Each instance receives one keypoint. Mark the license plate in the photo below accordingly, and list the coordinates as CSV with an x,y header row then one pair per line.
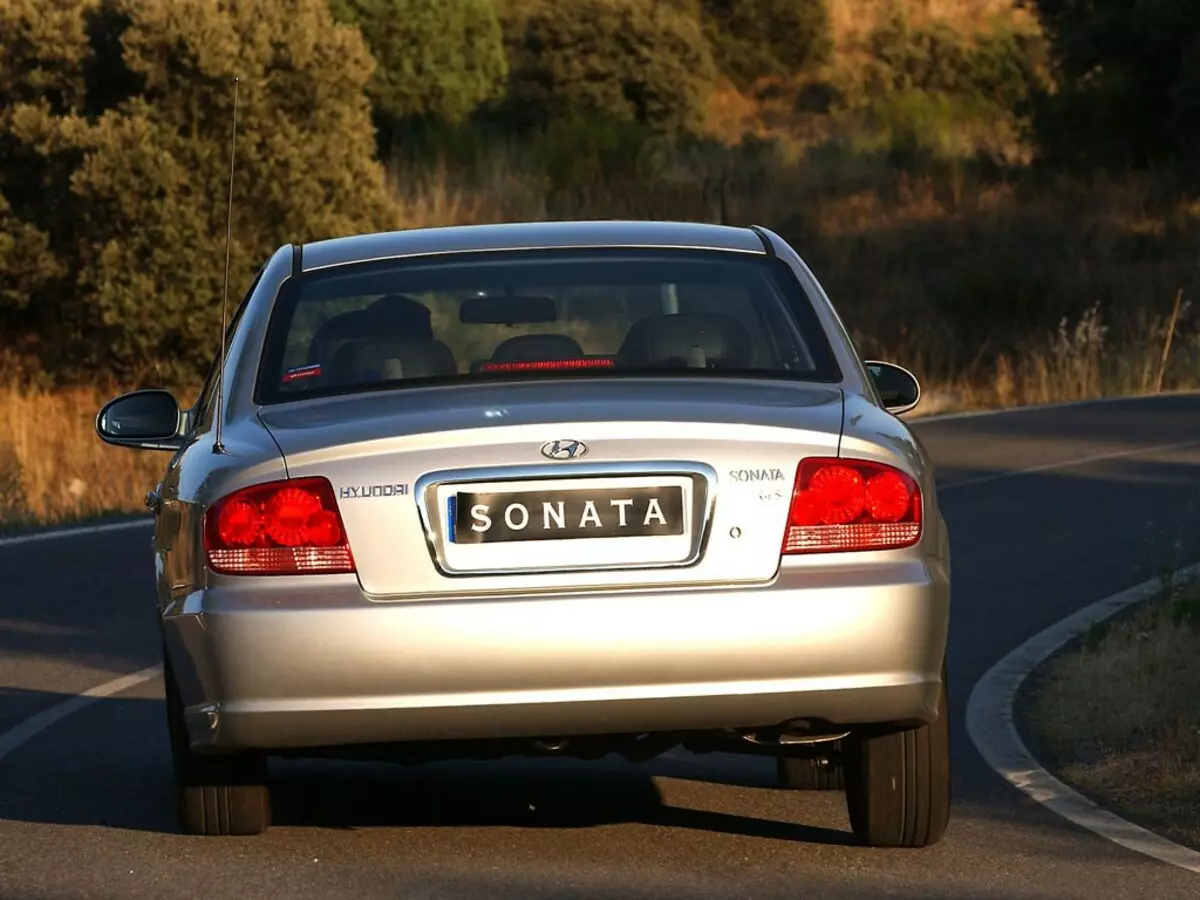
x,y
495,517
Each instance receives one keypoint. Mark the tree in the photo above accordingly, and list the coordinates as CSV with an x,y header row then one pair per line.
x,y
621,60
116,216
42,52
438,59
755,39
1129,85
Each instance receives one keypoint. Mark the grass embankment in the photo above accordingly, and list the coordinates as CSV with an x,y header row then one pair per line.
x,y
53,467
1118,717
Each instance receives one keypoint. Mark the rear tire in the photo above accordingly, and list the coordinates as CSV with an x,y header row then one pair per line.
x,y
219,794
898,783
809,774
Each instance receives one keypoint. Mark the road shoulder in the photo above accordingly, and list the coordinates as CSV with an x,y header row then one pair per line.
x,y
992,727
1116,714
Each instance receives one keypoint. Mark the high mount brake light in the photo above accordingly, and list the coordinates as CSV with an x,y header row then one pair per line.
x,y
288,527
547,365
841,505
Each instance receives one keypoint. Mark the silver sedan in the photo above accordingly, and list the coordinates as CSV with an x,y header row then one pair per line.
x,y
549,489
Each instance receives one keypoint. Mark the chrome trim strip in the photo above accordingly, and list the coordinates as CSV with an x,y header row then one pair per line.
x,y
704,483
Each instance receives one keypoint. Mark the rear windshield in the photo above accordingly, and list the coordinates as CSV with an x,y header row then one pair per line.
x,y
540,314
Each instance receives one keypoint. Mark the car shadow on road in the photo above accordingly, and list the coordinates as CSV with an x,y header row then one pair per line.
x,y
108,765
510,793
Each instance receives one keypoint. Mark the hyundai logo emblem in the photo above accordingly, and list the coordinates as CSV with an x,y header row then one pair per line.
x,y
564,449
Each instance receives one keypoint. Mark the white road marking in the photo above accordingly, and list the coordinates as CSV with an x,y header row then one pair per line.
x,y
990,725
73,532
30,728
1066,464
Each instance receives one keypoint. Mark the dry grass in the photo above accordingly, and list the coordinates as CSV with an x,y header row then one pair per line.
x,y
54,468
1120,717
1080,360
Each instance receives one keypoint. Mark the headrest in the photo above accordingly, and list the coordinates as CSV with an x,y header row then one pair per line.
x,y
537,347
396,313
391,359
393,314
694,340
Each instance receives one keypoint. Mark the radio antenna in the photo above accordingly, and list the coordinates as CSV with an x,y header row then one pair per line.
x,y
219,447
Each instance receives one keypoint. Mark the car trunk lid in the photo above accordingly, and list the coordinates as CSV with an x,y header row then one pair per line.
x,y
561,485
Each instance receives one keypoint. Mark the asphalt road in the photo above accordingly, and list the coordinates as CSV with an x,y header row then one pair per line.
x,y
86,808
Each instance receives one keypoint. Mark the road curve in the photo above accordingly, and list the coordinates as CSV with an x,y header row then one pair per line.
x,y
1049,510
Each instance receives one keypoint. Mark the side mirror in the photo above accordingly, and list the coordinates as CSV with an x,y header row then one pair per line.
x,y
898,388
148,420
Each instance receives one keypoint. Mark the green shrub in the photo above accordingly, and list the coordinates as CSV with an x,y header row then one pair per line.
x,y
1008,68
755,39
913,127
619,60
929,92
115,219
437,59
1001,67
592,151
26,263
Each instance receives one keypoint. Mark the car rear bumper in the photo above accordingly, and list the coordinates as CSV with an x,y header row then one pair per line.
x,y
310,662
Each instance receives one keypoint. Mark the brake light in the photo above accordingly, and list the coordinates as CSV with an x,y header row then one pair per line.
x,y
288,527
841,505
547,365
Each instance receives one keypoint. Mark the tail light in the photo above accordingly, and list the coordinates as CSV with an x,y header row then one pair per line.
x,y
280,528
841,505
